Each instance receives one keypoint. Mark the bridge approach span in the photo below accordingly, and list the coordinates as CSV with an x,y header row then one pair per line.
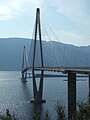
x,y
79,70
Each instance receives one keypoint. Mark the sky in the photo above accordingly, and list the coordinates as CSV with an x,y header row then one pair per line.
x,y
69,19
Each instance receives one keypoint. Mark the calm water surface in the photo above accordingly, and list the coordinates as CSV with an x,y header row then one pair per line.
x,y
15,95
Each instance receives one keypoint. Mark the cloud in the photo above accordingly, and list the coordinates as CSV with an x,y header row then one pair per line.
x,y
78,12
6,12
11,8
74,9
74,38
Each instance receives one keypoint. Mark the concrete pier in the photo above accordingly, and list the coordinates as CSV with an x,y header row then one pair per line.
x,y
71,94
89,85
24,77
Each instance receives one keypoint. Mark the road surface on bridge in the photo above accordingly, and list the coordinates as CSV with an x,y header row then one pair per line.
x,y
79,70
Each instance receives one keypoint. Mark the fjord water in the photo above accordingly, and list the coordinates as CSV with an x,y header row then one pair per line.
x,y
15,95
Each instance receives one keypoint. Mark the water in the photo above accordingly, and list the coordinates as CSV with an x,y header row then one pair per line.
x,y
15,95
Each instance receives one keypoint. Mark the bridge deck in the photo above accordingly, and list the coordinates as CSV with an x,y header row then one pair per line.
x,y
79,70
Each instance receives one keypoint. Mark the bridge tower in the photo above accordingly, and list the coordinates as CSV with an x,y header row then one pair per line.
x,y
25,65
38,93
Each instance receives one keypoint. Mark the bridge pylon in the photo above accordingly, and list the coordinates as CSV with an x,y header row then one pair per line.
x,y
38,93
25,65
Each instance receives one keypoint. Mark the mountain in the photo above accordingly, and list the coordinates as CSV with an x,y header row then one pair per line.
x,y
11,51
55,54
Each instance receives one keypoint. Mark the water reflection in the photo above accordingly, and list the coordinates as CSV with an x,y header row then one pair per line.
x,y
35,111
27,94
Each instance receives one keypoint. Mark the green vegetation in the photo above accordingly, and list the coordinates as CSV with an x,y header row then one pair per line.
x,y
60,110
83,113
7,116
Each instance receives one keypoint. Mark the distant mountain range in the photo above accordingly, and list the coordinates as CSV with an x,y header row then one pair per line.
x,y
55,54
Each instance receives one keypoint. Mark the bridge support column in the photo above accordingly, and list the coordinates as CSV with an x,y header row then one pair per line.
x,y
24,77
89,85
71,94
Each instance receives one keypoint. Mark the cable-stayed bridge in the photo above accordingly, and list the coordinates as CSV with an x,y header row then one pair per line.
x,y
36,62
